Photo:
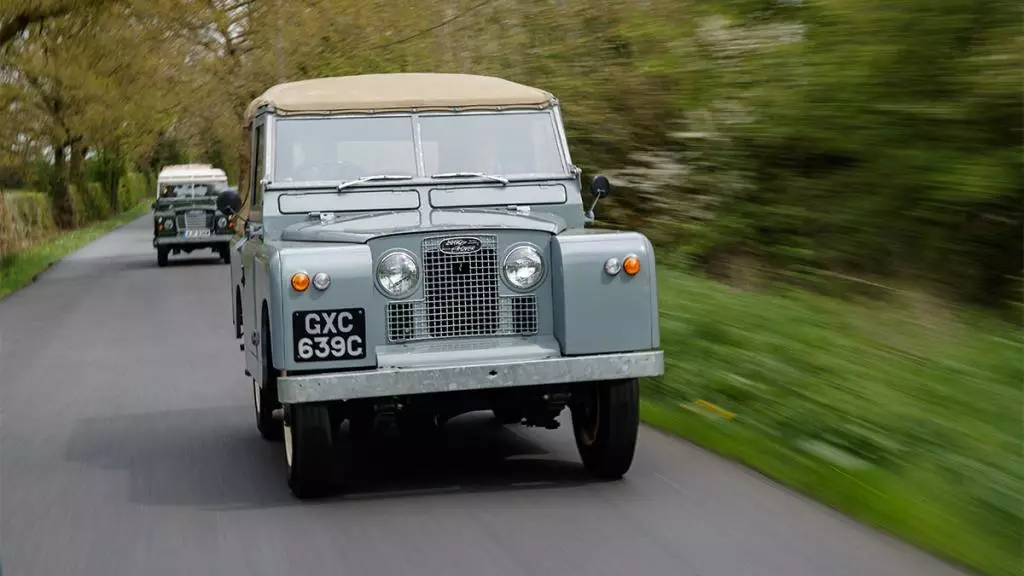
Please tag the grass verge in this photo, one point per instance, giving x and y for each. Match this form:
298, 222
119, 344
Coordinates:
905, 414
21, 268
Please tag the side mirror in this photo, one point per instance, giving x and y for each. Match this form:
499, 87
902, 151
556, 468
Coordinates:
229, 202
599, 187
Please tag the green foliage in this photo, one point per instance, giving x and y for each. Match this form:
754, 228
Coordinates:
30, 209
918, 402
879, 140
26, 218
90, 204
133, 190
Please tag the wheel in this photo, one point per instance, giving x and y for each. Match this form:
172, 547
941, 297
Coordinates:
308, 443
606, 424
265, 397
225, 254
507, 416
161, 257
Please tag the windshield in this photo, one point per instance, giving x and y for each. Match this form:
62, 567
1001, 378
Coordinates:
506, 144
345, 149
191, 190
341, 149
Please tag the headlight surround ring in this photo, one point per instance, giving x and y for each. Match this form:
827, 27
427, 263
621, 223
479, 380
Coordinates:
397, 274
517, 265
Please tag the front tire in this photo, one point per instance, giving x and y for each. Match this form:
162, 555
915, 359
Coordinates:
161, 257
606, 424
309, 449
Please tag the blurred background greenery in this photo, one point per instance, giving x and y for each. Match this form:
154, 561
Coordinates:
835, 189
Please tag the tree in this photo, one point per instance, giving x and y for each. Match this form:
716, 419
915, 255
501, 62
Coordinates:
18, 15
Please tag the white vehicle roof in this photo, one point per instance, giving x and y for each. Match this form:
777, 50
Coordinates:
185, 173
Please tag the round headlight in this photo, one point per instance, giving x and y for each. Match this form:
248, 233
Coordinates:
398, 274
523, 267
169, 223
222, 222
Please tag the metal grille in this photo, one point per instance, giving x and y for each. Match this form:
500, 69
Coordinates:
461, 290
407, 321
460, 298
194, 219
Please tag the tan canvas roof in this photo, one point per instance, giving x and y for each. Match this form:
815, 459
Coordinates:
396, 92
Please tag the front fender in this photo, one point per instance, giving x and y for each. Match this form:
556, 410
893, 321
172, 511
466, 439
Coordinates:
350, 267
598, 313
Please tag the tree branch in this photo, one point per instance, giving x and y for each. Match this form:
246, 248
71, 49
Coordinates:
12, 27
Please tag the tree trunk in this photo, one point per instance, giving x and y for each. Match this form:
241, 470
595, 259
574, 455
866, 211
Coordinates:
76, 171
60, 199
115, 185
112, 181
8, 234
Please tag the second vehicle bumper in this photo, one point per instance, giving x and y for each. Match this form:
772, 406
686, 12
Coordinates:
426, 380
182, 241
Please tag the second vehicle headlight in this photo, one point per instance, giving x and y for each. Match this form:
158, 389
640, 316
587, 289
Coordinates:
523, 267
398, 274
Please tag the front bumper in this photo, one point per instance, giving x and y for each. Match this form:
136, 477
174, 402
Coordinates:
182, 241
431, 379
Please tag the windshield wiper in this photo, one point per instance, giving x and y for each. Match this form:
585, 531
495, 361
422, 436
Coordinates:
371, 179
504, 181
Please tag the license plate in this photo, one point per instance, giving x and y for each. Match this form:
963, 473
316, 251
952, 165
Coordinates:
329, 335
197, 233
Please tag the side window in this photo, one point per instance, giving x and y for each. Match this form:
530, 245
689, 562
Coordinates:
257, 166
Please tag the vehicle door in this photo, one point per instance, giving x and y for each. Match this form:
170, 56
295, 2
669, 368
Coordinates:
252, 246
235, 246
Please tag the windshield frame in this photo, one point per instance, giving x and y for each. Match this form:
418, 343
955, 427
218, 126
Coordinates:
421, 177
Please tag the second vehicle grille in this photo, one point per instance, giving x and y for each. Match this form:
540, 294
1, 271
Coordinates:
194, 219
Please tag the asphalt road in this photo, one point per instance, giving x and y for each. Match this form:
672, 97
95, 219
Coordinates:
127, 447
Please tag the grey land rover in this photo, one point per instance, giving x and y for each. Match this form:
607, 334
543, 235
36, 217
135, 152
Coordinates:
413, 247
